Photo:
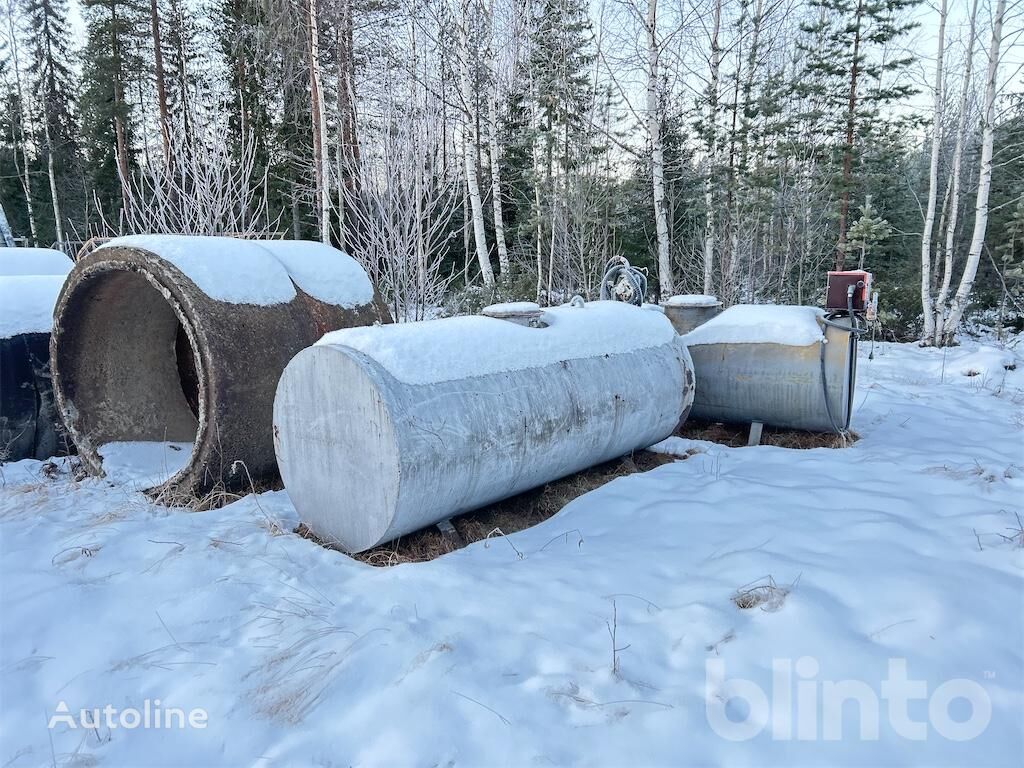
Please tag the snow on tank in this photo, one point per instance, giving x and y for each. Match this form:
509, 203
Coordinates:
33, 261
26, 303
460, 347
692, 300
259, 271
760, 324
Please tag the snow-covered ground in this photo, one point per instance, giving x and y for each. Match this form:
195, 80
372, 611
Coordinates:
898, 553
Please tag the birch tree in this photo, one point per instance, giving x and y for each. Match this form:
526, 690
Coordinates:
471, 144
933, 182
655, 117
711, 149
18, 128
939, 306
321, 161
6, 238
963, 292
495, 150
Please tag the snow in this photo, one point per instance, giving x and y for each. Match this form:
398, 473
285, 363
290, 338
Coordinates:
325, 273
461, 347
225, 269
511, 308
143, 464
692, 300
30, 282
760, 324
27, 302
259, 271
892, 549
33, 261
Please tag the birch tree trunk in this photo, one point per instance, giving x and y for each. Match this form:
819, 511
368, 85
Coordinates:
319, 119
495, 155
954, 201
6, 238
499, 218
471, 149
25, 180
654, 117
27, 188
963, 293
712, 142
933, 183
58, 219
347, 144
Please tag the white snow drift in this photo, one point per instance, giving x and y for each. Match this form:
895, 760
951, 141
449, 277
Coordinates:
260, 271
760, 324
902, 552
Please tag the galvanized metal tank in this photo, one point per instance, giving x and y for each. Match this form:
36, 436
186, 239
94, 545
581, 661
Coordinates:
783, 366
690, 310
382, 431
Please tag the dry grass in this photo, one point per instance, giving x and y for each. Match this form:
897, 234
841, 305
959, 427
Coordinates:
735, 436
504, 517
532, 507
763, 593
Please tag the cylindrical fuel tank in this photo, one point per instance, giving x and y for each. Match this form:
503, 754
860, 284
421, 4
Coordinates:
177, 341
690, 310
30, 280
382, 431
776, 365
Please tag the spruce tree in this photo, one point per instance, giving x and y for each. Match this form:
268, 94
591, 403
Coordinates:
848, 69
52, 81
112, 66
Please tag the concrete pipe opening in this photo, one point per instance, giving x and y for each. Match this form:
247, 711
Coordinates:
166, 352
130, 371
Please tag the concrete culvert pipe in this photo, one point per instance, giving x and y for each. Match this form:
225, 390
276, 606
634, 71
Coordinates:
166, 352
30, 280
382, 431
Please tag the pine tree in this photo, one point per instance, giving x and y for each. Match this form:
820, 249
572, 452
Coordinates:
847, 66
562, 96
52, 81
867, 232
112, 66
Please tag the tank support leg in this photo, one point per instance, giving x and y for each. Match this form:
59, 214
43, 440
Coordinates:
754, 438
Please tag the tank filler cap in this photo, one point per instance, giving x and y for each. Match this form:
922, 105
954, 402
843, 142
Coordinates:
692, 300
520, 312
